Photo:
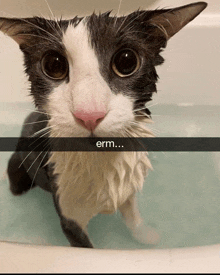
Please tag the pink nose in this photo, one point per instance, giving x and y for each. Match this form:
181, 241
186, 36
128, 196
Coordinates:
89, 120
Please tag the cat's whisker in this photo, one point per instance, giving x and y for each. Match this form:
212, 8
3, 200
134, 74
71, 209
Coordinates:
38, 168
25, 159
48, 132
144, 115
49, 139
121, 24
139, 109
116, 17
55, 39
28, 155
138, 127
137, 140
140, 113
39, 36
39, 132
34, 162
37, 111
53, 27
35, 122
49, 8
130, 134
129, 23
161, 28
152, 105
48, 143
38, 139
129, 30
42, 130
40, 112
53, 15
50, 19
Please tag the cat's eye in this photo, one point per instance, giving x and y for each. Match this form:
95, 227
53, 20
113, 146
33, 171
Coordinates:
54, 65
125, 62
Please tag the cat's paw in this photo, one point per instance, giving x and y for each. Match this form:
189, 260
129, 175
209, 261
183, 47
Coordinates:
144, 234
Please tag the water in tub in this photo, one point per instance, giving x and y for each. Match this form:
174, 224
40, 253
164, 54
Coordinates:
180, 197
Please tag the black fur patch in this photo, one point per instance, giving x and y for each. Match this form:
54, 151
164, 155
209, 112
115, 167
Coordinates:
42, 35
109, 34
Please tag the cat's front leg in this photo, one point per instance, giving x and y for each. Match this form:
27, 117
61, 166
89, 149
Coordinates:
74, 226
141, 232
20, 181
76, 236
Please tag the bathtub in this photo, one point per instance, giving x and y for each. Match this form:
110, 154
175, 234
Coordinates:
189, 85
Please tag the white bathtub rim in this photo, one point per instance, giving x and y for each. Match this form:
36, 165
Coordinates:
36, 258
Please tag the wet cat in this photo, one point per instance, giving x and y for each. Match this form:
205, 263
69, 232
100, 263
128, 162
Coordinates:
92, 76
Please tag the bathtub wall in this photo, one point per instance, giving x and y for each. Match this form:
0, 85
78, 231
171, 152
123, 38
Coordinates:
83, 7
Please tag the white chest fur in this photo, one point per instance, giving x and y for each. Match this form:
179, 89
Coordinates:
97, 182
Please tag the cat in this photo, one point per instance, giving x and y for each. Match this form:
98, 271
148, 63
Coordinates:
92, 76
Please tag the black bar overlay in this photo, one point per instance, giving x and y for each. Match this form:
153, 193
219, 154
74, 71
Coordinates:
165, 144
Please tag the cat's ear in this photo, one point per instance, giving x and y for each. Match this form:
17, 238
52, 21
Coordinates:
27, 31
170, 21
18, 29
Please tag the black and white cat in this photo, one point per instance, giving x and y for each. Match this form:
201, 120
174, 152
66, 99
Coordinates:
92, 76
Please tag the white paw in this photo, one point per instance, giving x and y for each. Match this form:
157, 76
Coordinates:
144, 234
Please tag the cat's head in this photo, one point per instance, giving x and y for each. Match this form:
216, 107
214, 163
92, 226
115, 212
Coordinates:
95, 74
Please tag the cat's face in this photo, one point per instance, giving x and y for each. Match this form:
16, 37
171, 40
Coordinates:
101, 72
92, 75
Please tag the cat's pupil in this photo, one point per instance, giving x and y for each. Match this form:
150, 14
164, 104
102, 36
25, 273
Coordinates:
54, 65
125, 62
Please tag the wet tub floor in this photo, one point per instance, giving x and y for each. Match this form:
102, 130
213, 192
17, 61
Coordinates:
180, 197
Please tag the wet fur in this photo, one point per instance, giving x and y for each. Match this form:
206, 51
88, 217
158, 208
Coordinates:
84, 184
